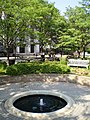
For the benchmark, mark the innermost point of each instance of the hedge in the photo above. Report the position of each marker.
(35, 67)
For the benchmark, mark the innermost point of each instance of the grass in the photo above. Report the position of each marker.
(80, 71)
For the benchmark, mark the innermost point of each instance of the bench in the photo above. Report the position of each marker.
(78, 63)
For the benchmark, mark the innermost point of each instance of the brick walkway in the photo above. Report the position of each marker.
(80, 94)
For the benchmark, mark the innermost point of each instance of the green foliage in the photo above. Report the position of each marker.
(89, 67)
(23, 19)
(79, 28)
(17, 69)
(3, 66)
(63, 61)
(30, 68)
(40, 20)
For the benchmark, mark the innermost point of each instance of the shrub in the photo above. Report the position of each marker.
(63, 61)
(3, 65)
(51, 67)
(35, 67)
(18, 69)
(12, 70)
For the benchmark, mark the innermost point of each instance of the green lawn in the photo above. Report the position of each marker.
(80, 71)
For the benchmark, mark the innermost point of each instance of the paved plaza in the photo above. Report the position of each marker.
(80, 94)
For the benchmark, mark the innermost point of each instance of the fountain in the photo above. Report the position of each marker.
(33, 103)
(41, 102)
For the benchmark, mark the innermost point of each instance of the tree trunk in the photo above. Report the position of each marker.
(42, 54)
(10, 61)
(78, 54)
(8, 55)
(61, 52)
(84, 52)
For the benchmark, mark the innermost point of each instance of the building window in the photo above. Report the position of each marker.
(22, 49)
(32, 48)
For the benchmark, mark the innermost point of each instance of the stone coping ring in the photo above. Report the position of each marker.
(37, 116)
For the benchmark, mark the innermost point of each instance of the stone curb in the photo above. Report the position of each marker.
(82, 80)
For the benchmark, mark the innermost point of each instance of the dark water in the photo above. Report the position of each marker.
(31, 103)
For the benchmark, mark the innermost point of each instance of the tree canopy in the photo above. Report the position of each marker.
(19, 19)
(77, 35)
(40, 20)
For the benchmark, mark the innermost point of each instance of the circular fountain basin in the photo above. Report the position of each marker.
(39, 104)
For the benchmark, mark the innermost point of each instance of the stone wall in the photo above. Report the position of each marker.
(4, 79)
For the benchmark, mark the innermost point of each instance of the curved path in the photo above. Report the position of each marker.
(80, 94)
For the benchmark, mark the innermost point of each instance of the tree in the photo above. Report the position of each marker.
(36, 19)
(46, 24)
(13, 23)
(86, 5)
(62, 36)
(79, 22)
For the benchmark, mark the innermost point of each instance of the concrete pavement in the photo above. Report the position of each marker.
(80, 94)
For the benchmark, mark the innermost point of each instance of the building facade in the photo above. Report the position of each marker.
(29, 48)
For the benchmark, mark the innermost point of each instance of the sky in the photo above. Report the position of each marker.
(62, 4)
